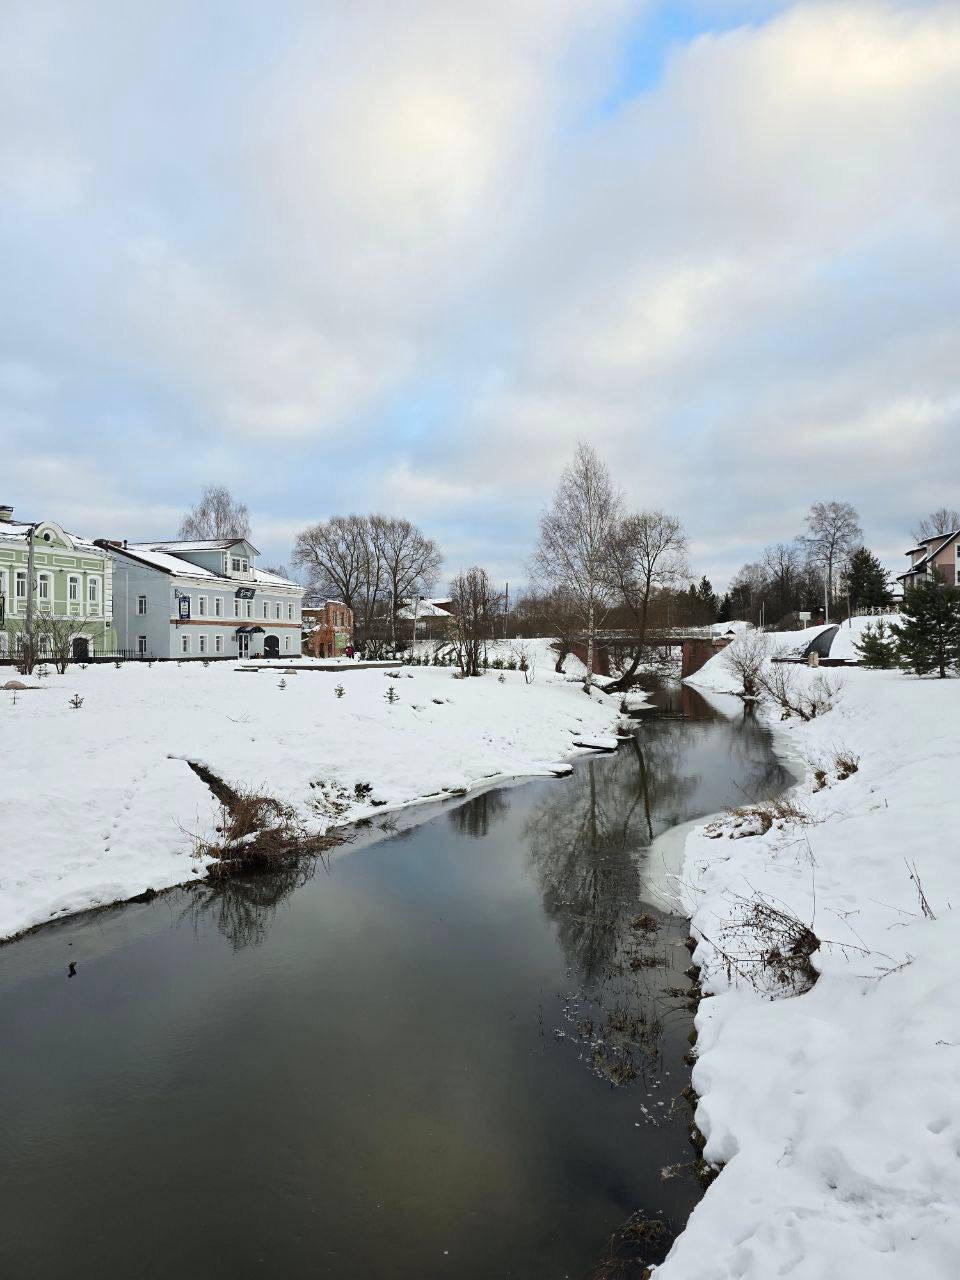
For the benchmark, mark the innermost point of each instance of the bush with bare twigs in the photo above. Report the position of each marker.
(795, 695)
(745, 658)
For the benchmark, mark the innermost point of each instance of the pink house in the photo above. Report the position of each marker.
(941, 552)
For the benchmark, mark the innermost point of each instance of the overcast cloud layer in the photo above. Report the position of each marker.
(402, 255)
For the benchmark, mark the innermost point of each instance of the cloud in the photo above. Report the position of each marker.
(253, 253)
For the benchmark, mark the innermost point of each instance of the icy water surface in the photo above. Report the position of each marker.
(449, 1054)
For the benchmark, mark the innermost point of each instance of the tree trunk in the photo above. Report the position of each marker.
(588, 683)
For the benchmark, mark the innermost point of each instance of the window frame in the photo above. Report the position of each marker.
(141, 606)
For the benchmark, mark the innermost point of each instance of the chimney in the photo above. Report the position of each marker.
(6, 512)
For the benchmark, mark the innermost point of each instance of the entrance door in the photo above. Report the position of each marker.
(243, 644)
(81, 649)
(271, 646)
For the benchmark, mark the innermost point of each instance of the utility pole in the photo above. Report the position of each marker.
(826, 597)
(506, 610)
(30, 575)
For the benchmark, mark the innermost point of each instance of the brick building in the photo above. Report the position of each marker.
(327, 630)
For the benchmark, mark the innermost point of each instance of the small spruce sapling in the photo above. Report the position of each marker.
(282, 684)
(76, 702)
(877, 647)
(391, 695)
(339, 691)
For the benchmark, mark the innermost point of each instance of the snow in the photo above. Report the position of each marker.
(834, 1111)
(99, 803)
(851, 632)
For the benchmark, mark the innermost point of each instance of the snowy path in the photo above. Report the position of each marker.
(835, 1111)
(98, 804)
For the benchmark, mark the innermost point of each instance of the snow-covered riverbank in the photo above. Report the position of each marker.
(834, 1112)
(99, 804)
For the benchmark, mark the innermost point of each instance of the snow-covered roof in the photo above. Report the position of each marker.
(274, 579)
(198, 544)
(16, 531)
(436, 608)
(167, 563)
(149, 554)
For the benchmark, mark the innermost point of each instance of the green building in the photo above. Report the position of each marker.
(72, 580)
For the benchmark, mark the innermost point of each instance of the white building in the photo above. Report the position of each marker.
(202, 599)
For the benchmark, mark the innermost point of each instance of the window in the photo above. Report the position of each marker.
(73, 589)
(244, 566)
(266, 609)
(141, 605)
(202, 644)
(286, 643)
(185, 643)
(218, 606)
(249, 608)
(236, 608)
(43, 586)
(218, 644)
(21, 587)
(202, 606)
(93, 590)
(141, 644)
(235, 564)
(289, 612)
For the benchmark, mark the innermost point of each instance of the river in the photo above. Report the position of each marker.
(452, 1052)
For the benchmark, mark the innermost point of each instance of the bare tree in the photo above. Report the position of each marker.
(745, 658)
(343, 558)
(833, 532)
(411, 561)
(647, 553)
(942, 521)
(474, 607)
(217, 515)
(575, 535)
(59, 634)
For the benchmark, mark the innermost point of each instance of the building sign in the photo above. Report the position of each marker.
(246, 593)
(184, 606)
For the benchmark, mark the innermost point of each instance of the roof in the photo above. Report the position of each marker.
(167, 562)
(197, 544)
(17, 531)
(437, 608)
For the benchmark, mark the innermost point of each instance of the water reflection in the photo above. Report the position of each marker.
(478, 815)
(244, 909)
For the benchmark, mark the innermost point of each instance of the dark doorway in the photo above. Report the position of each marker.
(271, 646)
(81, 648)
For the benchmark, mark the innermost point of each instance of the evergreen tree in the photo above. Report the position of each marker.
(877, 647)
(928, 637)
(865, 581)
(707, 597)
(723, 609)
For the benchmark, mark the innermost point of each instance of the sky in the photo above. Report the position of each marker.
(401, 255)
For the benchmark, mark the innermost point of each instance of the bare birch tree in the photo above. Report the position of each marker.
(575, 535)
(833, 532)
(474, 609)
(217, 515)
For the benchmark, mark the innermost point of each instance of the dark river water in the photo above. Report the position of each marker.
(451, 1053)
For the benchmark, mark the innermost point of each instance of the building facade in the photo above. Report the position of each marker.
(328, 629)
(941, 552)
(202, 600)
(72, 583)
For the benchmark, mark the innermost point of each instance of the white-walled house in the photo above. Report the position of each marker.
(202, 599)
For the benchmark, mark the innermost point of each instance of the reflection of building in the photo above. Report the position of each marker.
(202, 599)
(328, 629)
(72, 580)
(941, 552)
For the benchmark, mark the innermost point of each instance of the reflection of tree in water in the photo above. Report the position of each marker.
(477, 816)
(584, 841)
(244, 908)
